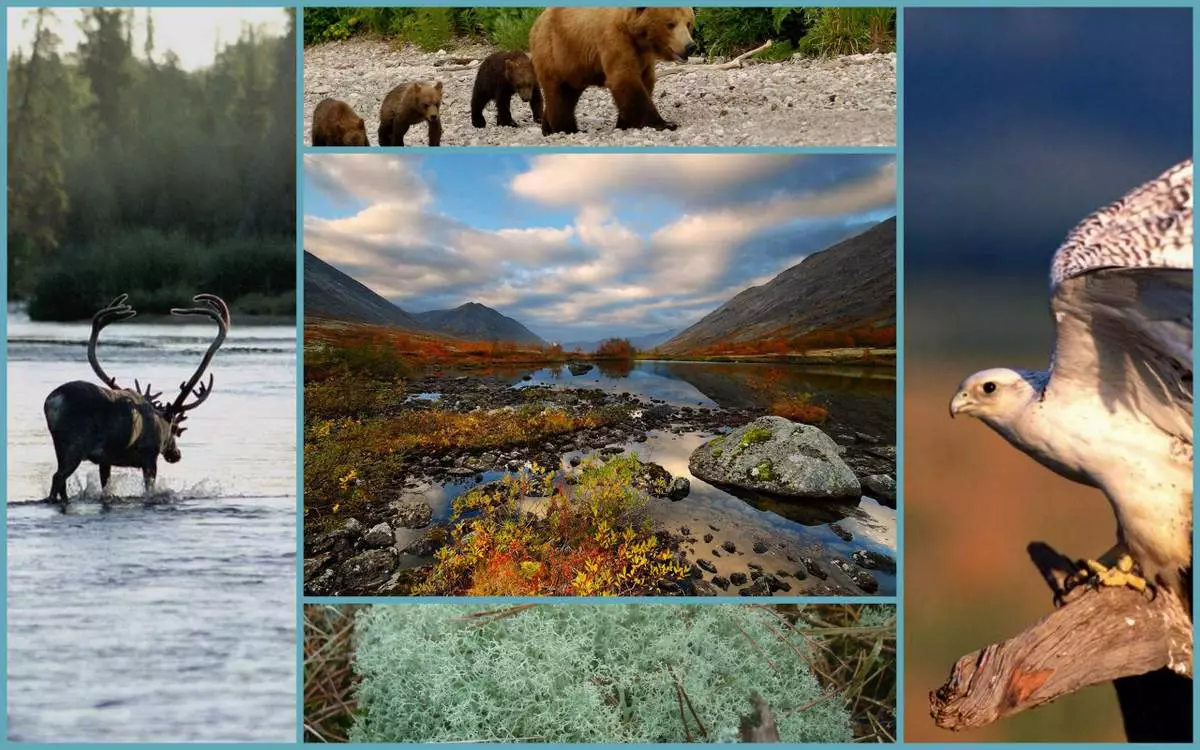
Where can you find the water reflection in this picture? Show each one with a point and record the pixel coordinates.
(862, 398)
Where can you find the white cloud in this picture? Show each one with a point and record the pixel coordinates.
(695, 250)
(579, 179)
(385, 178)
(595, 271)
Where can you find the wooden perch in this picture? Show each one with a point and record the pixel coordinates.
(734, 63)
(1094, 636)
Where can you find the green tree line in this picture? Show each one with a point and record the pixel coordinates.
(719, 31)
(127, 173)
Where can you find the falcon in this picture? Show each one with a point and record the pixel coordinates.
(1114, 409)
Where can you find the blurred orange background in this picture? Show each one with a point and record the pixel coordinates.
(973, 503)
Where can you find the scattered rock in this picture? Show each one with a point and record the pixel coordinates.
(708, 538)
(780, 457)
(865, 581)
(707, 565)
(411, 514)
(737, 579)
(841, 531)
(881, 487)
(729, 547)
(721, 583)
(379, 535)
(368, 570)
(814, 569)
(872, 560)
(760, 547)
(679, 488)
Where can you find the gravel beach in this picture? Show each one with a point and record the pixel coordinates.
(844, 101)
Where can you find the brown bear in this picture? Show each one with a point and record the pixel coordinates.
(501, 75)
(405, 106)
(574, 48)
(335, 124)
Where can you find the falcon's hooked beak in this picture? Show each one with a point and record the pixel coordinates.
(961, 402)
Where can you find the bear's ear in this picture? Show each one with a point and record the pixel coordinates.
(438, 87)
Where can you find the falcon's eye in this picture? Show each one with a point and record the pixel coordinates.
(989, 387)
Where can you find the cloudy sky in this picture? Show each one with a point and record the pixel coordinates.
(1013, 135)
(583, 246)
(192, 33)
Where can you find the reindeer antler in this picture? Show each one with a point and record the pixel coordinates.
(151, 397)
(116, 310)
(212, 307)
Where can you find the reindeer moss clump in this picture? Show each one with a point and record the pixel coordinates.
(582, 673)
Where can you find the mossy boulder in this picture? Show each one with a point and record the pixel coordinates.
(779, 457)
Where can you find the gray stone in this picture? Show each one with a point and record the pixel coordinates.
(379, 535)
(411, 514)
(779, 457)
(880, 487)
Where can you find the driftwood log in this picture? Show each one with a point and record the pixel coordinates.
(1094, 635)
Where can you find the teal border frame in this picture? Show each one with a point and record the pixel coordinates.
(897, 600)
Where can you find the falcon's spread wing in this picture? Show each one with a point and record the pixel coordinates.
(1122, 285)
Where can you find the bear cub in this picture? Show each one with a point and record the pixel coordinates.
(501, 75)
(405, 106)
(335, 124)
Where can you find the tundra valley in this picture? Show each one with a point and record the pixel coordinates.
(735, 436)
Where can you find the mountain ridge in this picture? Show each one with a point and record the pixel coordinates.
(851, 283)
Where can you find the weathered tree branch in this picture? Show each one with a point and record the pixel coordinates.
(1095, 636)
(734, 63)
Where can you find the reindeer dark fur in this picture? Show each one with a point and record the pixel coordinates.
(112, 426)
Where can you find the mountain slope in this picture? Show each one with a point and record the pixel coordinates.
(330, 293)
(850, 284)
(478, 323)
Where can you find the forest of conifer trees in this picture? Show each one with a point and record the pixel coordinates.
(127, 173)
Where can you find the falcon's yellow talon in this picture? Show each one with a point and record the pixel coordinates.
(1120, 574)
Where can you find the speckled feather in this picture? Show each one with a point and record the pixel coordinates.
(1151, 227)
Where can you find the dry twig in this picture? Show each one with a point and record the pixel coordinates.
(734, 63)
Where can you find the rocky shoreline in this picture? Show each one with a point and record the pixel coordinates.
(386, 547)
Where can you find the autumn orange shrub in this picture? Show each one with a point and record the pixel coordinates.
(615, 349)
(799, 408)
(594, 540)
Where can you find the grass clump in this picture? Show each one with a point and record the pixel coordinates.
(349, 460)
(329, 679)
(719, 31)
(591, 539)
(585, 673)
(849, 31)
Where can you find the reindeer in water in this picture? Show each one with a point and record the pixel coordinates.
(112, 426)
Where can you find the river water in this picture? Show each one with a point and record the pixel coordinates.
(169, 617)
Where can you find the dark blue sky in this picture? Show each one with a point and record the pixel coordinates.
(1020, 122)
(580, 247)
